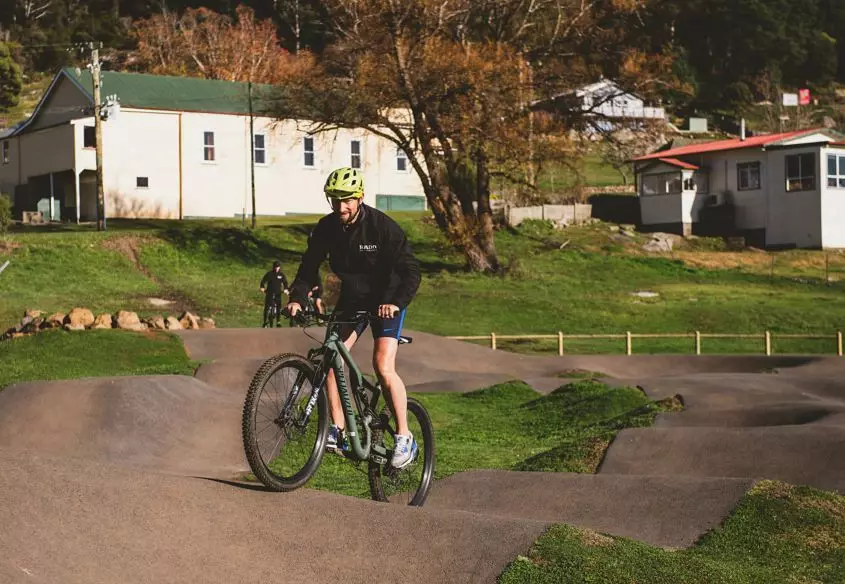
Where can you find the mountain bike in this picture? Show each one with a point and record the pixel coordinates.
(286, 420)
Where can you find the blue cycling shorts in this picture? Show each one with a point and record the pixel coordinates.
(390, 328)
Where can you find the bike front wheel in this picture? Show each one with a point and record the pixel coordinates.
(410, 485)
(283, 446)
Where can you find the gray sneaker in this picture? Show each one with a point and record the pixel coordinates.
(405, 451)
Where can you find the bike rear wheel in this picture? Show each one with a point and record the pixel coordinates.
(410, 485)
(283, 449)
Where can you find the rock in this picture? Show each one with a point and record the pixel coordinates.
(614, 229)
(80, 317)
(828, 122)
(188, 321)
(628, 227)
(159, 301)
(129, 321)
(173, 324)
(104, 321)
(32, 326)
(33, 313)
(74, 327)
(645, 294)
(206, 323)
(660, 242)
(627, 233)
(55, 320)
(23, 324)
(157, 323)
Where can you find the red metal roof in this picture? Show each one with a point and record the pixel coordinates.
(680, 163)
(733, 144)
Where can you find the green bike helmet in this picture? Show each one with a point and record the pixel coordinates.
(345, 183)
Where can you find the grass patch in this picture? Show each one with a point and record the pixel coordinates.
(59, 354)
(510, 427)
(777, 534)
(213, 268)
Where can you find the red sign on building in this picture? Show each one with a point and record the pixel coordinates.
(804, 97)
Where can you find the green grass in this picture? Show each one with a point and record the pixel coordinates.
(557, 178)
(777, 534)
(214, 267)
(31, 93)
(509, 426)
(69, 355)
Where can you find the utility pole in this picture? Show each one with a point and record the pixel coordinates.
(98, 133)
(251, 150)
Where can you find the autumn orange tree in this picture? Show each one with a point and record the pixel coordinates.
(204, 43)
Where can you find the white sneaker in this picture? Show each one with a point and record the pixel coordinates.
(405, 451)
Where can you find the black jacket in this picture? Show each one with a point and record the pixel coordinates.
(274, 283)
(372, 258)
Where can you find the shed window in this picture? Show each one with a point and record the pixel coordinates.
(836, 170)
(666, 183)
(801, 172)
(355, 158)
(260, 151)
(142, 182)
(308, 150)
(748, 176)
(89, 137)
(208, 146)
(401, 160)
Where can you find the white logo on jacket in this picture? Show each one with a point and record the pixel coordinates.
(367, 247)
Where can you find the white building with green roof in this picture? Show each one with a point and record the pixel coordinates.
(179, 147)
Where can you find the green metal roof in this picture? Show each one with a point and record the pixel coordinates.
(141, 90)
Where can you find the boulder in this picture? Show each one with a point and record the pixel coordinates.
(104, 321)
(129, 321)
(80, 317)
(157, 323)
(173, 324)
(33, 313)
(33, 325)
(74, 327)
(660, 242)
(188, 321)
(206, 323)
(55, 320)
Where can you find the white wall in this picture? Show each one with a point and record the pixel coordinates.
(140, 144)
(657, 209)
(793, 217)
(750, 204)
(832, 206)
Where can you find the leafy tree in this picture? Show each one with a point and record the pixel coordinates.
(10, 79)
(450, 84)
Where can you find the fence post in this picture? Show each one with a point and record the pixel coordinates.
(628, 348)
(839, 343)
(493, 341)
(697, 343)
(560, 343)
(768, 344)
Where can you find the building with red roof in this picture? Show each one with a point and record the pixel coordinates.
(788, 188)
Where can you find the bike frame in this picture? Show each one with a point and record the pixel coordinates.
(334, 356)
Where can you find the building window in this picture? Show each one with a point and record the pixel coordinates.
(208, 146)
(401, 160)
(89, 137)
(801, 172)
(308, 150)
(836, 170)
(260, 150)
(355, 157)
(5, 153)
(667, 183)
(142, 182)
(748, 176)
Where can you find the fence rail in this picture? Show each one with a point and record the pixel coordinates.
(766, 337)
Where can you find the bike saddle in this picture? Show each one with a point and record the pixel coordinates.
(405, 340)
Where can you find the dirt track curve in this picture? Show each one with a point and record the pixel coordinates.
(126, 479)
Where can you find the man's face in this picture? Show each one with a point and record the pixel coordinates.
(347, 209)
(276, 268)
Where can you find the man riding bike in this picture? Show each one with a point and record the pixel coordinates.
(370, 254)
(273, 284)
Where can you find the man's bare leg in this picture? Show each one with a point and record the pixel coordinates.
(335, 405)
(384, 362)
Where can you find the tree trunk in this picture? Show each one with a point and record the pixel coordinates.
(485, 234)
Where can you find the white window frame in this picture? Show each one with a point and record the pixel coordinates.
(140, 186)
(306, 152)
(837, 177)
(262, 149)
(806, 181)
(746, 170)
(401, 156)
(663, 179)
(6, 151)
(355, 158)
(208, 148)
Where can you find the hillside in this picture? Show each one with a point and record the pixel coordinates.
(588, 286)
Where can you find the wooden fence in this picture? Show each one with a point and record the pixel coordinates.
(765, 338)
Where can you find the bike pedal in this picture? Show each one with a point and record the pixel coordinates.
(378, 459)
